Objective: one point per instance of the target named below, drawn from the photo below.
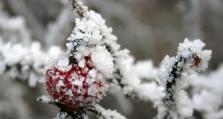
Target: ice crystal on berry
(76, 86)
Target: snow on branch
(173, 74)
(94, 59)
(131, 76)
(77, 80)
(92, 37)
(93, 50)
(207, 94)
(101, 112)
(107, 114)
(79, 7)
(23, 62)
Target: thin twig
(170, 85)
(79, 7)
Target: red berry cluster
(77, 86)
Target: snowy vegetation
(93, 64)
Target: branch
(79, 7)
(174, 70)
(24, 62)
(106, 114)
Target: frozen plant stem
(81, 113)
(76, 82)
(170, 85)
(79, 7)
(174, 70)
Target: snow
(77, 82)
(207, 93)
(61, 115)
(206, 101)
(174, 73)
(44, 99)
(29, 59)
(92, 38)
(88, 38)
(108, 114)
(145, 69)
(63, 63)
(103, 61)
(188, 48)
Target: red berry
(75, 87)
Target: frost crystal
(70, 88)
(88, 38)
(173, 74)
(108, 114)
(92, 37)
(61, 115)
(207, 93)
(44, 99)
(23, 62)
(193, 50)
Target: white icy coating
(88, 38)
(133, 78)
(188, 48)
(61, 115)
(20, 58)
(145, 69)
(44, 99)
(211, 82)
(184, 104)
(166, 68)
(103, 61)
(63, 63)
(75, 86)
(207, 93)
(173, 75)
(24, 62)
(108, 114)
(207, 101)
(92, 37)
(186, 51)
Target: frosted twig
(79, 7)
(207, 93)
(174, 70)
(102, 113)
(61, 115)
(24, 62)
(45, 99)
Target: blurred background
(150, 29)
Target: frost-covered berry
(75, 85)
